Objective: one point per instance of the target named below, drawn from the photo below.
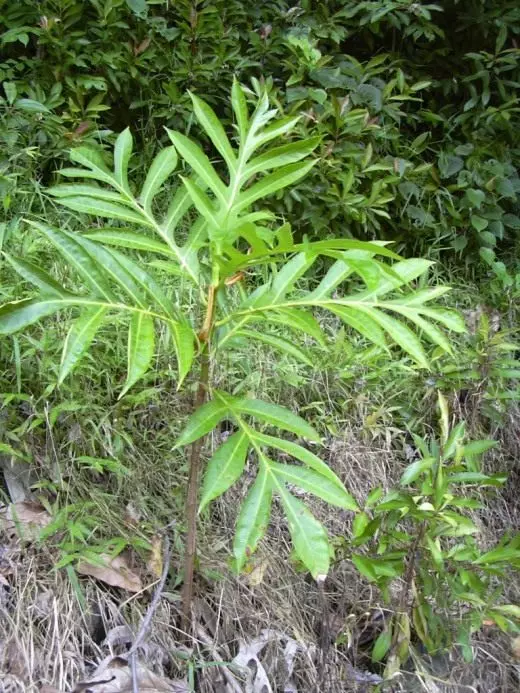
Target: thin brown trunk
(194, 469)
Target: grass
(362, 403)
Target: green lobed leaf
(141, 345)
(276, 416)
(33, 274)
(224, 468)
(129, 239)
(362, 323)
(239, 105)
(202, 421)
(311, 481)
(162, 166)
(78, 258)
(213, 127)
(199, 162)
(122, 154)
(16, 315)
(281, 156)
(381, 645)
(277, 343)
(105, 209)
(82, 190)
(282, 178)
(299, 453)
(79, 339)
(400, 333)
(308, 535)
(202, 202)
(253, 518)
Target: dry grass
(45, 638)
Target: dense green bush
(415, 103)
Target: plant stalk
(195, 467)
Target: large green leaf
(224, 468)
(213, 127)
(200, 163)
(162, 166)
(281, 156)
(308, 535)
(253, 518)
(361, 322)
(202, 202)
(311, 481)
(16, 315)
(122, 154)
(79, 339)
(78, 258)
(283, 177)
(299, 453)
(202, 421)
(141, 345)
(129, 239)
(105, 209)
(82, 190)
(276, 416)
(93, 160)
(35, 275)
(278, 343)
(184, 339)
(239, 105)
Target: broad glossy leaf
(129, 239)
(78, 258)
(161, 168)
(276, 416)
(33, 274)
(16, 315)
(415, 469)
(202, 421)
(122, 154)
(283, 177)
(299, 453)
(325, 247)
(311, 481)
(281, 156)
(105, 209)
(277, 343)
(381, 645)
(213, 127)
(224, 468)
(308, 535)
(200, 163)
(253, 518)
(141, 345)
(79, 338)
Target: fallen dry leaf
(25, 519)
(155, 562)
(50, 689)
(256, 576)
(515, 647)
(115, 572)
(114, 676)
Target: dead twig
(145, 625)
